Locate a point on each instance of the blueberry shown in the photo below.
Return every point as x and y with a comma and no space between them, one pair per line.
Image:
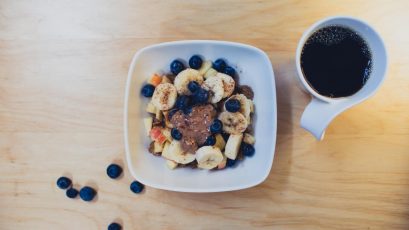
71,193
193,86
247,149
195,62
136,187
176,67
176,134
201,96
219,65
216,126
229,71
171,113
114,171
114,226
87,193
211,140
187,110
225,136
147,90
232,105
63,182
182,102
230,162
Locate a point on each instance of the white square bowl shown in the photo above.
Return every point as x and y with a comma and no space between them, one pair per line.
254,69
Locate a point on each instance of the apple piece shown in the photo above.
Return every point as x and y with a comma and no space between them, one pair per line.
249,139
171,164
233,145
148,124
222,164
150,108
220,143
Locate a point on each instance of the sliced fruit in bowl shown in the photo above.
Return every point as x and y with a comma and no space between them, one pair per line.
200,116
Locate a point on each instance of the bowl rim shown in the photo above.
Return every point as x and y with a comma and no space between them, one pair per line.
125,117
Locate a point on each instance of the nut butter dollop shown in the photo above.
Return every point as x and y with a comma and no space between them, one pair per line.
195,126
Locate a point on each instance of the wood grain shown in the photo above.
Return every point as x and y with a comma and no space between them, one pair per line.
63,66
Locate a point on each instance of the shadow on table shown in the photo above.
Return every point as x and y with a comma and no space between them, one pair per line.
277,180
280,171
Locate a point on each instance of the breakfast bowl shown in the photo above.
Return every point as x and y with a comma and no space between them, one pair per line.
254,69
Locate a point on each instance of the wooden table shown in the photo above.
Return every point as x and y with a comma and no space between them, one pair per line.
63,66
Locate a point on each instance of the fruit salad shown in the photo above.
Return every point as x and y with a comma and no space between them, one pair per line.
199,116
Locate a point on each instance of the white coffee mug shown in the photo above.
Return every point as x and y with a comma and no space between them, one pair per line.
322,109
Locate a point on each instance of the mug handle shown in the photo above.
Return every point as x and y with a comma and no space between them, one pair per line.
318,114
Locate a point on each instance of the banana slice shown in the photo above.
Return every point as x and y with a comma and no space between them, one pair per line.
233,123
228,84
164,97
183,79
205,67
208,157
215,85
175,153
210,73
233,145
245,105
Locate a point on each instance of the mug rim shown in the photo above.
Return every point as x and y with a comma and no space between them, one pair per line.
300,46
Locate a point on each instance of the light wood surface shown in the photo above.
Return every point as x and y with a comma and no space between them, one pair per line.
63,66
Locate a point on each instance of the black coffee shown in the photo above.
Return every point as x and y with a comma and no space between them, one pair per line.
336,61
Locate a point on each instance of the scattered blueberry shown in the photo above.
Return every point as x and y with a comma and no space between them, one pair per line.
225,136
219,65
176,134
147,90
136,187
187,110
195,62
182,102
232,105
176,67
201,96
171,113
247,149
216,126
193,86
71,193
211,140
230,71
114,171
87,193
63,182
114,226
230,162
